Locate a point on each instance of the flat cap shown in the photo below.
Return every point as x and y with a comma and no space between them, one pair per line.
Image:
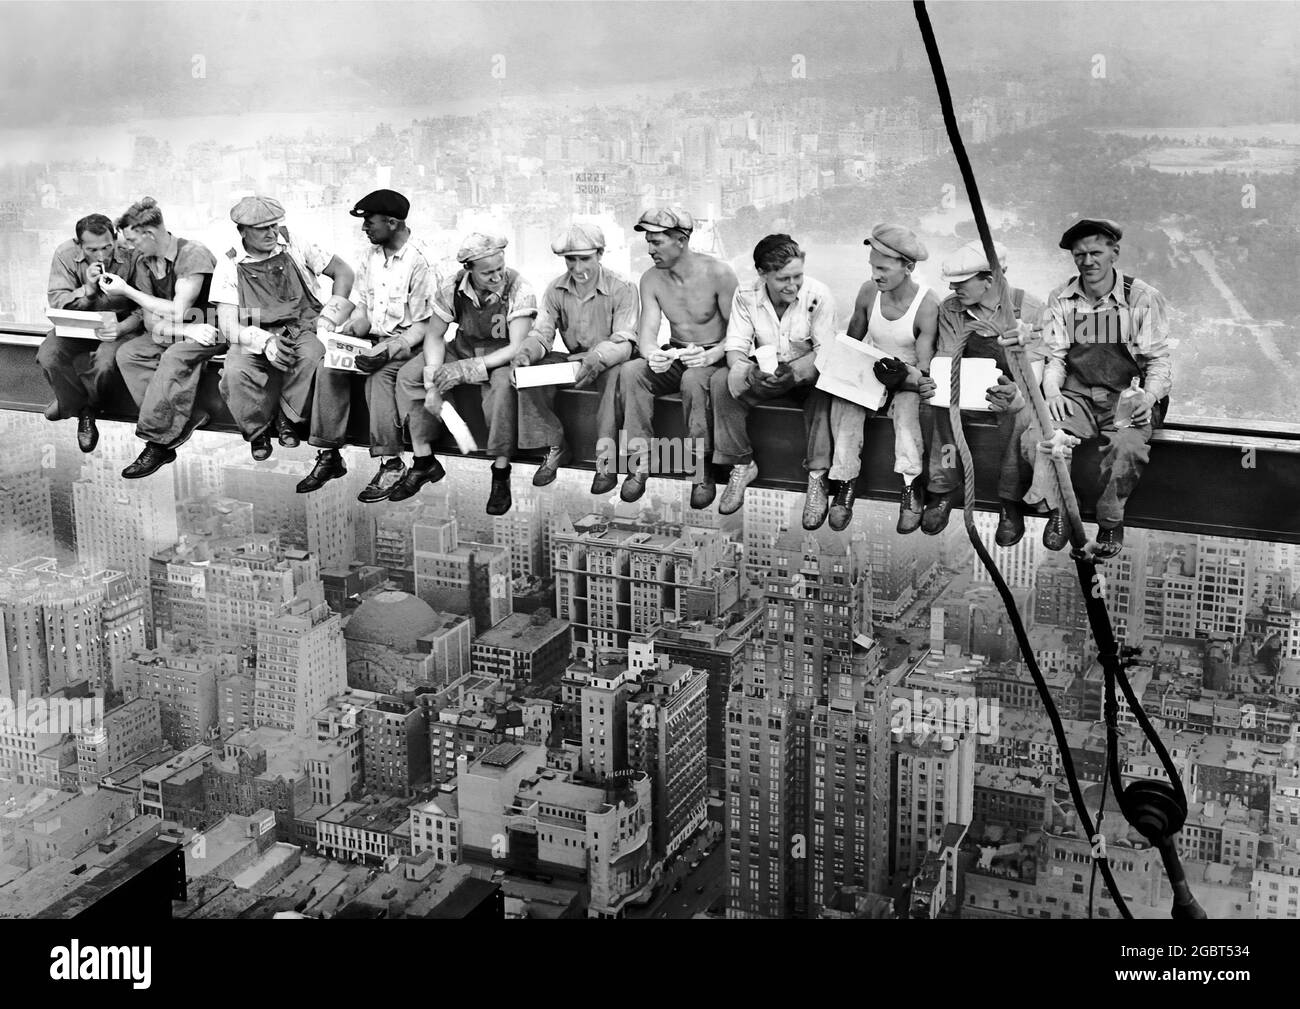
578,240
1085,227
257,211
968,261
665,219
897,241
384,202
479,246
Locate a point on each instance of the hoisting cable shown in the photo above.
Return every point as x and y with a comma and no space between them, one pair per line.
1155,809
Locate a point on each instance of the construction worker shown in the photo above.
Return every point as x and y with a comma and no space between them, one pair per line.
493,308
595,312
393,298
694,292
1105,333
895,314
269,312
82,373
792,316
163,366
983,311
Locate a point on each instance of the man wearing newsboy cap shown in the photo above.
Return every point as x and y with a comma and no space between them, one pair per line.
594,311
269,310
492,307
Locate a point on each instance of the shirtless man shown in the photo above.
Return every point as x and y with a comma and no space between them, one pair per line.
899,316
694,291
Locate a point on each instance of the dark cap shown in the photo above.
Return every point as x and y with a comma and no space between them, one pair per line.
383,202
1084,227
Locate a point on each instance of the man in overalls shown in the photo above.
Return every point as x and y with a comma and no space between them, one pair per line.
978,308
82,372
1103,330
394,296
163,366
493,308
269,310
595,311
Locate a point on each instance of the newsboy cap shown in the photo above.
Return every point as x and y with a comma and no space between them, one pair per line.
970,260
1085,227
257,211
897,241
479,246
578,240
665,219
384,202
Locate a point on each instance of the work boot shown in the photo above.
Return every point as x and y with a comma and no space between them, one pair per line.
816,501
556,456
703,493
1055,536
87,432
603,483
261,447
841,513
935,517
910,507
329,466
1011,525
426,469
733,495
1109,541
285,432
633,486
382,483
499,500
150,461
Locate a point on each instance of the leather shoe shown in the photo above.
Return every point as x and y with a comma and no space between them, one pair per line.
1109,541
603,483
1011,525
261,447
499,500
633,487
329,466
1054,535
151,460
285,432
415,478
910,507
383,482
935,517
556,456
841,513
87,432
816,501
52,410
702,494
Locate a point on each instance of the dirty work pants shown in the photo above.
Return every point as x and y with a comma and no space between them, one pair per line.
1014,473
731,443
164,382
80,372
497,396
539,427
255,389
331,407
848,421
638,388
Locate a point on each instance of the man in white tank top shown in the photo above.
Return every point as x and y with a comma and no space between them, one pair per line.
896,314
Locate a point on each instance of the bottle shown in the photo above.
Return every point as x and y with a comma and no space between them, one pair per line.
1128,400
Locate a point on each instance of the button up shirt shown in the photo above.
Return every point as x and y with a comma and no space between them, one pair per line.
1144,329
521,301
310,259
805,327
68,273
603,320
396,289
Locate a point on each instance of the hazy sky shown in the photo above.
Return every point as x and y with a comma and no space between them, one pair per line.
74,62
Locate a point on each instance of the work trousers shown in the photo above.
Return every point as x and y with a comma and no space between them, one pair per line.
731,442
81,373
497,397
539,427
331,407
848,423
1124,456
255,389
639,386
164,382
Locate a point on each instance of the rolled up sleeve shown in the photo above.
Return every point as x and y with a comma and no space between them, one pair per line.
1055,344
541,337
740,327
225,283
523,302
1151,343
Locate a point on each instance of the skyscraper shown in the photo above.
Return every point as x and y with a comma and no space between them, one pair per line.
301,665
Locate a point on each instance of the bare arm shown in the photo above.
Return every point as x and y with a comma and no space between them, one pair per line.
651,315
517,331
862,311
342,275
927,330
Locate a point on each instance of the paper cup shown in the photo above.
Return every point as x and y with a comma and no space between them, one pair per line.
766,358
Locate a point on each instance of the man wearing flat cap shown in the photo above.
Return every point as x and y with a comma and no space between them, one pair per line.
163,366
896,314
393,296
594,310
269,311
694,292
1105,333
979,311
493,308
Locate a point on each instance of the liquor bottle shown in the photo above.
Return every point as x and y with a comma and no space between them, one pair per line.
1128,400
